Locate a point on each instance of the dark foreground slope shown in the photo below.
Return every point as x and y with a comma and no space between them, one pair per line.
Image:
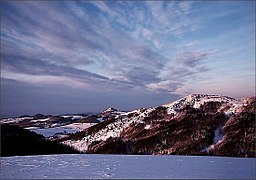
19,141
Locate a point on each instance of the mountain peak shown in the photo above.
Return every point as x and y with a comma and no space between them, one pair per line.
197,100
110,109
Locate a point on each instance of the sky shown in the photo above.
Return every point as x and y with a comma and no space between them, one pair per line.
85,56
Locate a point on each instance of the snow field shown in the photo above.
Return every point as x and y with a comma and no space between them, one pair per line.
91,166
66,129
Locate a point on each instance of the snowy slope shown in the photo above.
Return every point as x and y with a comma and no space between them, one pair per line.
89,166
66,129
50,125
124,119
43,121
198,100
15,120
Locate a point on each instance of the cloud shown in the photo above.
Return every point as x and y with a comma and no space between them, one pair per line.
171,18
112,44
191,59
34,66
142,76
187,65
33,71
46,80
185,6
114,49
164,86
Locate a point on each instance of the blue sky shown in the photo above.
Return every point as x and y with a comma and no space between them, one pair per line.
73,56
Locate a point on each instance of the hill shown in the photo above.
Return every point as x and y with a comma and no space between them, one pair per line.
198,124
18,141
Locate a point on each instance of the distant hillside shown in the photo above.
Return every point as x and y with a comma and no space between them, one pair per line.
18,141
198,124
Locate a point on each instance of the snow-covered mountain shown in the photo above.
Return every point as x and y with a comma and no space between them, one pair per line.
109,110
198,124
54,126
195,124
198,100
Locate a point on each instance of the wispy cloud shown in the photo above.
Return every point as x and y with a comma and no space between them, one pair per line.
192,58
151,45
186,66
121,42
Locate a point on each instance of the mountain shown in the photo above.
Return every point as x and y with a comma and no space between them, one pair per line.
49,121
198,124
53,127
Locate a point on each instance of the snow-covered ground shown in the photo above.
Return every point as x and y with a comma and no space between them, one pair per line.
79,126
40,120
48,132
67,129
126,166
218,138
14,120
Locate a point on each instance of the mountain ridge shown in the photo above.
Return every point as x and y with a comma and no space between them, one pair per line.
197,124
152,130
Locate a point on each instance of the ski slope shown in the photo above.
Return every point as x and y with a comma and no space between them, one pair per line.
126,166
